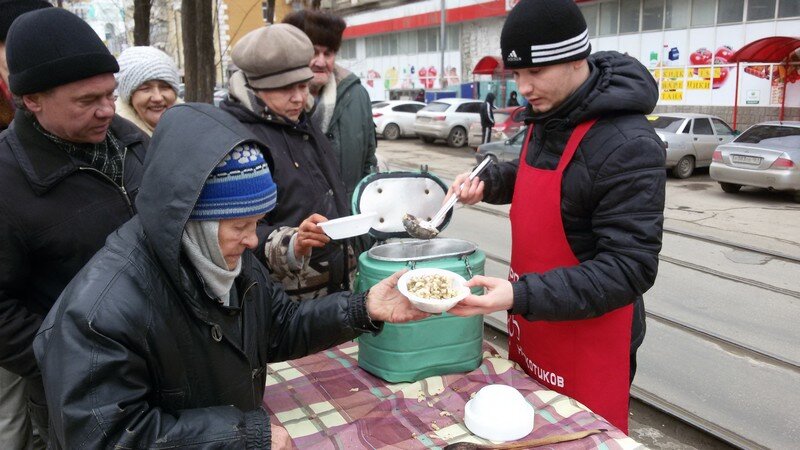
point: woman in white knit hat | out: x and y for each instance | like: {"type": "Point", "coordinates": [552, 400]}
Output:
{"type": "Point", "coordinates": [148, 85]}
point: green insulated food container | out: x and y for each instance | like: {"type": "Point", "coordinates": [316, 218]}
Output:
{"type": "Point", "coordinates": [438, 345]}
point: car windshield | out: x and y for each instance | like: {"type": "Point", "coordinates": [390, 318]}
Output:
{"type": "Point", "coordinates": [519, 137]}
{"type": "Point", "coordinates": [436, 107]}
{"type": "Point", "coordinates": [665, 123]}
{"type": "Point", "coordinates": [379, 105]}
{"type": "Point", "coordinates": [501, 117]}
{"type": "Point", "coordinates": [770, 134]}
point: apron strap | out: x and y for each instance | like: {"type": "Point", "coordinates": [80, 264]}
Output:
{"type": "Point", "coordinates": [572, 144]}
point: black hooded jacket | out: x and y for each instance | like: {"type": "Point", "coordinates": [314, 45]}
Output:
{"type": "Point", "coordinates": [612, 196]}
{"type": "Point", "coordinates": [135, 354]}
{"type": "Point", "coordinates": [55, 213]}
{"type": "Point", "coordinates": [305, 169]}
{"type": "Point", "coordinates": [487, 111]}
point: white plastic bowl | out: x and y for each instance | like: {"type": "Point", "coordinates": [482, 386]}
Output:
{"type": "Point", "coordinates": [433, 306]}
{"type": "Point", "coordinates": [499, 413]}
{"type": "Point", "coordinates": [345, 227]}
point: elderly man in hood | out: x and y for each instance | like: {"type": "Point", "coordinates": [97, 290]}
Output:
{"type": "Point", "coordinates": [163, 339]}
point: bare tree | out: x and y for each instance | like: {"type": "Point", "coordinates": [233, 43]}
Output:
{"type": "Point", "coordinates": [141, 22]}
{"type": "Point", "coordinates": [198, 49]}
{"type": "Point", "coordinates": [270, 14]}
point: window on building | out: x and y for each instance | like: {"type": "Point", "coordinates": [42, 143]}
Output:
{"type": "Point", "coordinates": [788, 8]}
{"type": "Point", "coordinates": [628, 16]}
{"type": "Point", "coordinates": [453, 37]}
{"type": "Point", "coordinates": [652, 15]}
{"type": "Point", "coordinates": [373, 44]}
{"type": "Point", "coordinates": [590, 14]}
{"type": "Point", "coordinates": [347, 50]}
{"type": "Point", "coordinates": [730, 11]}
{"type": "Point", "coordinates": [676, 14]}
{"type": "Point", "coordinates": [406, 43]}
{"type": "Point", "coordinates": [761, 9]}
{"type": "Point", "coordinates": [609, 15]}
{"type": "Point", "coordinates": [428, 40]}
{"type": "Point", "coordinates": [703, 13]}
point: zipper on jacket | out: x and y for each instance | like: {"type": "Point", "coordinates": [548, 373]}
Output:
{"type": "Point", "coordinates": [120, 187]}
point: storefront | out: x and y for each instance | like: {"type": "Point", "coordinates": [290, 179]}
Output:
{"type": "Point", "coordinates": [686, 44]}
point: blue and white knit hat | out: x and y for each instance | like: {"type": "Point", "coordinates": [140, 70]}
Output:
{"type": "Point", "coordinates": [138, 65]}
{"type": "Point", "coordinates": [240, 186]}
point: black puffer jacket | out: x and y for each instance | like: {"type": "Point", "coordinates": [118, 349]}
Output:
{"type": "Point", "coordinates": [305, 169]}
{"type": "Point", "coordinates": [612, 196]}
{"type": "Point", "coordinates": [55, 213]}
{"type": "Point", "coordinates": [135, 354]}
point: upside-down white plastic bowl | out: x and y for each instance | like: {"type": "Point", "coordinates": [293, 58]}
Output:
{"type": "Point", "coordinates": [499, 413]}
{"type": "Point", "coordinates": [349, 226]}
{"type": "Point", "coordinates": [433, 306]}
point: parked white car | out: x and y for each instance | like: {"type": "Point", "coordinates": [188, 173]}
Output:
{"type": "Point", "coordinates": [395, 118]}
{"type": "Point", "coordinates": [449, 119]}
{"type": "Point", "coordinates": [690, 139]}
{"type": "Point", "coordinates": [766, 155]}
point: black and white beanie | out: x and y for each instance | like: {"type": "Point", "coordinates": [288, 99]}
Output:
{"type": "Point", "coordinates": [544, 32]}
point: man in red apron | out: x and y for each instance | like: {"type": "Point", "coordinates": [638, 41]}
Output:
{"type": "Point", "coordinates": [587, 200]}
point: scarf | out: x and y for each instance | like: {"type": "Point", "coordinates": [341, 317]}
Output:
{"type": "Point", "coordinates": [200, 241]}
{"type": "Point", "coordinates": [107, 156]}
{"type": "Point", "coordinates": [325, 103]}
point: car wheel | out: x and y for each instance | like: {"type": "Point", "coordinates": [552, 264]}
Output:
{"type": "Point", "coordinates": [684, 168]}
{"type": "Point", "coordinates": [796, 196]}
{"type": "Point", "coordinates": [457, 137]}
{"type": "Point", "coordinates": [730, 188]}
{"type": "Point", "coordinates": [427, 140]}
{"type": "Point", "coordinates": [391, 132]}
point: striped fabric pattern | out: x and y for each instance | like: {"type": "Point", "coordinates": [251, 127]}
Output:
{"type": "Point", "coordinates": [560, 50]}
{"type": "Point", "coordinates": [240, 186]}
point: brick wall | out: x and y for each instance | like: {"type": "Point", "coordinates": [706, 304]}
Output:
{"type": "Point", "coordinates": [746, 116]}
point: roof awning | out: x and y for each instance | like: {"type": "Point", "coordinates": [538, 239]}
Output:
{"type": "Point", "coordinates": [774, 49]}
{"type": "Point", "coordinates": [488, 65]}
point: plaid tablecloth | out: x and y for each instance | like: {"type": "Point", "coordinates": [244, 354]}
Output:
{"type": "Point", "coordinates": [326, 401]}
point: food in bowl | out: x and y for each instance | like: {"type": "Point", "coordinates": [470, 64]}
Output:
{"type": "Point", "coordinates": [443, 289]}
{"type": "Point", "coordinates": [433, 286]}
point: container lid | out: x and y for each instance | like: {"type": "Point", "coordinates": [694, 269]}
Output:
{"type": "Point", "coordinates": [393, 194]}
{"type": "Point", "coordinates": [421, 249]}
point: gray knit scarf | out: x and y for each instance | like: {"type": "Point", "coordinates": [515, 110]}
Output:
{"type": "Point", "coordinates": [200, 241]}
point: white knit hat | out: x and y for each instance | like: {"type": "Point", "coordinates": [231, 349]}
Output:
{"type": "Point", "coordinates": [138, 65]}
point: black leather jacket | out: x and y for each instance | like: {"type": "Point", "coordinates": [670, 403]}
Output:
{"type": "Point", "coordinates": [55, 213]}
{"type": "Point", "coordinates": [612, 200]}
{"type": "Point", "coordinates": [135, 354]}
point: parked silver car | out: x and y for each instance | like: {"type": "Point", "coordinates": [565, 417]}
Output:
{"type": "Point", "coordinates": [505, 150]}
{"type": "Point", "coordinates": [690, 139]}
{"type": "Point", "coordinates": [447, 118]}
{"type": "Point", "coordinates": [767, 155]}
{"type": "Point", "coordinates": [395, 118]}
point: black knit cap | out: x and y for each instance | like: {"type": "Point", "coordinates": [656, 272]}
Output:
{"type": "Point", "coordinates": [544, 32]}
{"type": "Point", "coordinates": [50, 47]}
{"type": "Point", "coordinates": [11, 9]}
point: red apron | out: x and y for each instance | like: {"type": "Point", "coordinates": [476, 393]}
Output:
{"type": "Point", "coordinates": [588, 360]}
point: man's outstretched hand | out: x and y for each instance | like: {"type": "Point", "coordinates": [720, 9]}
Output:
{"type": "Point", "coordinates": [385, 303]}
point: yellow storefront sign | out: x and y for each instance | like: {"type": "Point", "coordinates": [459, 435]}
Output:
{"type": "Point", "coordinates": [672, 85]}
{"type": "Point", "coordinates": [668, 73]}
{"type": "Point", "coordinates": [705, 72]}
{"type": "Point", "coordinates": [698, 84]}
{"type": "Point", "coordinates": [675, 96]}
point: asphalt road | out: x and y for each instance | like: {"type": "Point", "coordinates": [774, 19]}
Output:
{"type": "Point", "coordinates": [727, 354]}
